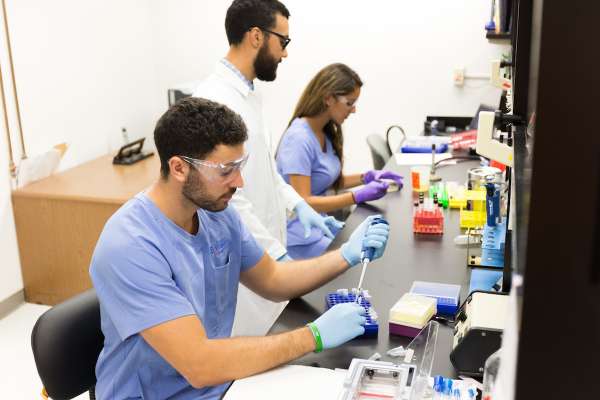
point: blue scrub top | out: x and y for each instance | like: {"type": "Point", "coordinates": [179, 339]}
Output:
{"type": "Point", "coordinates": [147, 271]}
{"type": "Point", "coordinates": [300, 153]}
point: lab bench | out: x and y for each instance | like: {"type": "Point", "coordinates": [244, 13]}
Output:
{"type": "Point", "coordinates": [408, 258]}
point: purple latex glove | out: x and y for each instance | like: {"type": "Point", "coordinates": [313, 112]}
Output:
{"type": "Point", "coordinates": [377, 175]}
{"type": "Point", "coordinates": [371, 191]}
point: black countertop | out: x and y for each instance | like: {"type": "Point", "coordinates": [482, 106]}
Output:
{"type": "Point", "coordinates": [407, 258]}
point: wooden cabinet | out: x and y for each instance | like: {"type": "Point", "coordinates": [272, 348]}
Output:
{"type": "Point", "coordinates": [59, 220]}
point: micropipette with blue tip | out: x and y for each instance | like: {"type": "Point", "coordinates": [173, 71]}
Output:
{"type": "Point", "coordinates": [366, 256]}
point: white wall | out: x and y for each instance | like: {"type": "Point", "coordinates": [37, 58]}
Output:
{"type": "Point", "coordinates": [10, 271]}
{"type": "Point", "coordinates": [403, 50]}
{"type": "Point", "coordinates": [84, 69]}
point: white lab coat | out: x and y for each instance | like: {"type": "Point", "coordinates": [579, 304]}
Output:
{"type": "Point", "coordinates": [264, 200]}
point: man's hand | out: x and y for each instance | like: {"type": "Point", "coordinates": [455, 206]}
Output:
{"type": "Point", "coordinates": [366, 235]}
{"type": "Point", "coordinates": [309, 218]}
{"type": "Point", "coordinates": [337, 325]}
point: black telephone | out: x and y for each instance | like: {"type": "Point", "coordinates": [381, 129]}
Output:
{"type": "Point", "coordinates": [131, 153]}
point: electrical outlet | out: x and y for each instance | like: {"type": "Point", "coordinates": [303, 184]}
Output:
{"type": "Point", "coordinates": [459, 76]}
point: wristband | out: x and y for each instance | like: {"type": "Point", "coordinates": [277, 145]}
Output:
{"type": "Point", "coordinates": [362, 178]}
{"type": "Point", "coordinates": [317, 335]}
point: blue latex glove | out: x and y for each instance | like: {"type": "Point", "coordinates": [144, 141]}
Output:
{"type": "Point", "coordinates": [309, 218]}
{"type": "Point", "coordinates": [378, 175]}
{"type": "Point", "coordinates": [341, 323]}
{"type": "Point", "coordinates": [285, 258]}
{"type": "Point", "coordinates": [375, 236]}
{"type": "Point", "coordinates": [371, 191]}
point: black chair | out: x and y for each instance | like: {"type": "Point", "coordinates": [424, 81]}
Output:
{"type": "Point", "coordinates": [66, 341]}
{"type": "Point", "coordinates": [380, 152]}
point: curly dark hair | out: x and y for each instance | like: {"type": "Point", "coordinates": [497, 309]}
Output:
{"type": "Point", "coordinates": [242, 15]}
{"type": "Point", "coordinates": [193, 127]}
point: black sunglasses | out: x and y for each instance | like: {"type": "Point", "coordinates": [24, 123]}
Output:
{"type": "Point", "coordinates": [284, 40]}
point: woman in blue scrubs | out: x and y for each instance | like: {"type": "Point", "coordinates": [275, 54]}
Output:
{"type": "Point", "coordinates": [310, 155]}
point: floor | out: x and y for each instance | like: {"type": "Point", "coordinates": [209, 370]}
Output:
{"type": "Point", "coordinates": [18, 376]}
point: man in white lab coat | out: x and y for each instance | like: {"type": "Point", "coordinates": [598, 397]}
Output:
{"type": "Point", "coordinates": [257, 31]}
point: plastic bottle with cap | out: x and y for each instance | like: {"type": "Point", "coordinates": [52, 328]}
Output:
{"type": "Point", "coordinates": [438, 387]}
{"type": "Point", "coordinates": [447, 389]}
{"type": "Point", "coordinates": [472, 394]}
{"type": "Point", "coordinates": [456, 394]}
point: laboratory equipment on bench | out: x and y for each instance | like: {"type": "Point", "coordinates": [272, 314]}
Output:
{"type": "Point", "coordinates": [478, 331]}
{"type": "Point", "coordinates": [499, 74]}
{"type": "Point", "coordinates": [432, 176]}
{"type": "Point", "coordinates": [456, 195]}
{"type": "Point", "coordinates": [131, 153]}
{"type": "Point", "coordinates": [446, 295]}
{"type": "Point", "coordinates": [453, 389]}
{"type": "Point", "coordinates": [423, 353]}
{"type": "Point", "coordinates": [368, 379]}
{"type": "Point", "coordinates": [473, 214]}
{"type": "Point", "coordinates": [427, 216]}
{"type": "Point", "coordinates": [483, 279]}
{"type": "Point", "coordinates": [477, 177]}
{"type": "Point", "coordinates": [364, 299]}
{"type": "Point", "coordinates": [490, 374]}
{"type": "Point", "coordinates": [463, 142]}
{"type": "Point", "coordinates": [439, 191]}
{"type": "Point", "coordinates": [410, 314]}
{"type": "Point", "coordinates": [419, 178]}
{"type": "Point", "coordinates": [494, 146]}
{"type": "Point", "coordinates": [366, 256]}
{"type": "Point", "coordinates": [494, 231]}
{"type": "Point", "coordinates": [405, 379]}
{"type": "Point", "coordinates": [423, 144]}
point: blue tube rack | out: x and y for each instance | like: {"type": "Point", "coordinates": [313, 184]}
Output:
{"type": "Point", "coordinates": [492, 245]}
{"type": "Point", "coordinates": [447, 295]}
{"type": "Point", "coordinates": [371, 327]}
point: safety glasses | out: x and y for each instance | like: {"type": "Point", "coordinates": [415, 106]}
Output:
{"type": "Point", "coordinates": [217, 171]}
{"type": "Point", "coordinates": [284, 40]}
{"type": "Point", "coordinates": [348, 103]}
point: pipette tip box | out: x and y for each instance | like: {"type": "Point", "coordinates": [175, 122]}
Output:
{"type": "Point", "coordinates": [346, 296]}
{"type": "Point", "coordinates": [410, 314]}
{"type": "Point", "coordinates": [447, 295]}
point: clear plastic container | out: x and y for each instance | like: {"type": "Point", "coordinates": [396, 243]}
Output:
{"type": "Point", "coordinates": [419, 178]}
{"type": "Point", "coordinates": [447, 295]}
{"type": "Point", "coordinates": [490, 374]}
{"type": "Point", "coordinates": [413, 310]}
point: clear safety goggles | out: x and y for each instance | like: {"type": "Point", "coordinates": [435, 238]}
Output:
{"type": "Point", "coordinates": [217, 171]}
{"type": "Point", "coordinates": [346, 102]}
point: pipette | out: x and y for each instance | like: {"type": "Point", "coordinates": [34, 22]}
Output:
{"type": "Point", "coordinates": [432, 176]}
{"type": "Point", "coordinates": [366, 256]}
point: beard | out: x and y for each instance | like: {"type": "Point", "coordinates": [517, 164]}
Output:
{"type": "Point", "coordinates": [265, 65]}
{"type": "Point", "coordinates": [196, 191]}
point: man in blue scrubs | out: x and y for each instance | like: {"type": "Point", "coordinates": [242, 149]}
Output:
{"type": "Point", "coordinates": [167, 266]}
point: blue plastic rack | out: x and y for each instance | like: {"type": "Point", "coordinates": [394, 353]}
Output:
{"type": "Point", "coordinates": [371, 327]}
{"type": "Point", "coordinates": [492, 245]}
{"type": "Point", "coordinates": [447, 295]}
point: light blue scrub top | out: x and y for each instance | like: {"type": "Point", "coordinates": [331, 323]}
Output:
{"type": "Point", "coordinates": [146, 271]}
{"type": "Point", "coordinates": [300, 153]}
